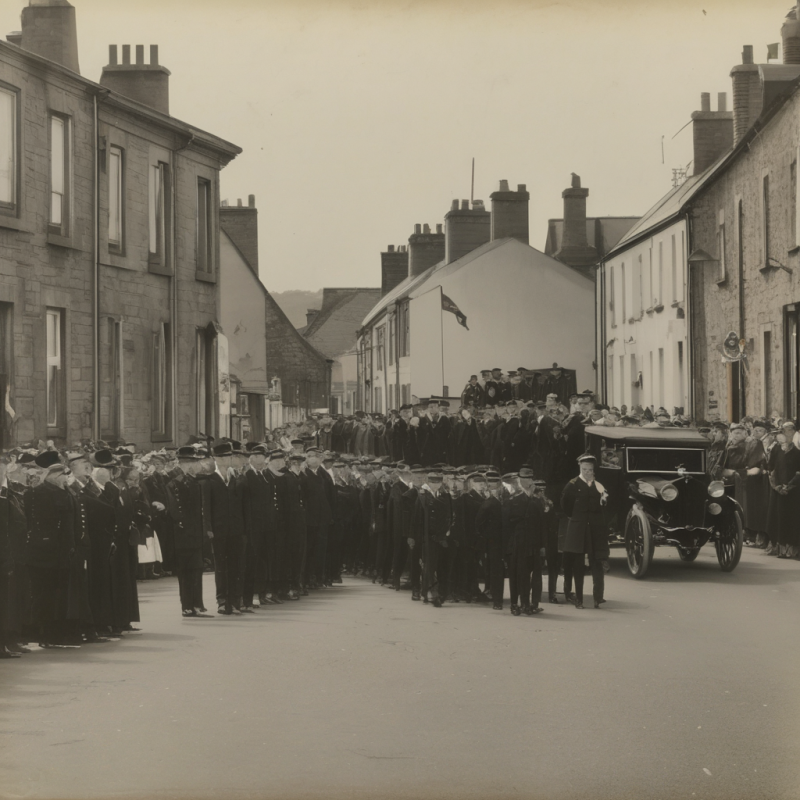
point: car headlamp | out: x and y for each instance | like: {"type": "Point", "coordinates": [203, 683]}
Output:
{"type": "Point", "coordinates": [714, 508]}
{"type": "Point", "coordinates": [716, 488]}
{"type": "Point", "coordinates": [668, 492]}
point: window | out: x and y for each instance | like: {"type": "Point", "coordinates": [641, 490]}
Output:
{"type": "Point", "coordinates": [638, 304]}
{"type": "Point", "coordinates": [162, 382]}
{"type": "Point", "coordinates": [59, 174]}
{"type": "Point", "coordinates": [624, 295]}
{"type": "Point", "coordinates": [611, 297]}
{"type": "Point", "coordinates": [792, 381]}
{"type": "Point", "coordinates": [792, 205]}
{"type": "Point", "coordinates": [650, 282]}
{"type": "Point", "coordinates": [403, 330]}
{"type": "Point", "coordinates": [158, 210]}
{"type": "Point", "coordinates": [204, 227]}
{"type": "Point", "coordinates": [391, 324]}
{"type": "Point", "coordinates": [111, 393]}
{"type": "Point", "coordinates": [56, 388]}
{"type": "Point", "coordinates": [405, 393]}
{"type": "Point", "coordinates": [661, 376]}
{"type": "Point", "coordinates": [116, 203]}
{"type": "Point", "coordinates": [674, 271]}
{"type": "Point", "coordinates": [622, 392]}
{"type": "Point", "coordinates": [379, 339]}
{"type": "Point", "coordinates": [659, 295]}
{"type": "Point", "coordinates": [765, 254]}
{"type": "Point", "coordinates": [681, 383]}
{"type": "Point", "coordinates": [378, 407]}
{"type": "Point", "coordinates": [610, 379]}
{"type": "Point", "coordinates": [8, 149]}
{"type": "Point", "coordinates": [767, 361]}
{"type": "Point", "coordinates": [721, 246]}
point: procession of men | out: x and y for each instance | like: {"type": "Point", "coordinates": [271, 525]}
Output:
{"type": "Point", "coordinates": [447, 506]}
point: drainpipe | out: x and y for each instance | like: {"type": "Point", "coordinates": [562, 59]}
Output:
{"type": "Point", "coordinates": [690, 387]}
{"type": "Point", "coordinates": [173, 288]}
{"type": "Point", "coordinates": [102, 94]}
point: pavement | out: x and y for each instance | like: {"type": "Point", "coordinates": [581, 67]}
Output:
{"type": "Point", "coordinates": [684, 685]}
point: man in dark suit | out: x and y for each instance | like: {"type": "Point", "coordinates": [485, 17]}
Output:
{"type": "Point", "coordinates": [224, 511]}
{"type": "Point", "coordinates": [254, 505]}
{"type": "Point", "coordinates": [587, 534]}
{"type": "Point", "coordinates": [319, 490]}
{"type": "Point", "coordinates": [50, 547]}
{"type": "Point", "coordinates": [186, 509]}
{"type": "Point", "coordinates": [433, 516]}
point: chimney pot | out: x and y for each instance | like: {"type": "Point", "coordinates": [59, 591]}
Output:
{"type": "Point", "coordinates": [747, 54]}
{"type": "Point", "coordinates": [722, 101]}
{"type": "Point", "coordinates": [576, 181]}
{"type": "Point", "coordinates": [139, 55]}
{"type": "Point", "coordinates": [126, 54]}
{"type": "Point", "coordinates": [418, 228]}
{"type": "Point", "coordinates": [224, 203]}
{"type": "Point", "coordinates": [390, 248]}
{"type": "Point", "coordinates": [112, 55]}
{"type": "Point", "coordinates": [503, 186]}
{"type": "Point", "coordinates": [522, 187]}
{"type": "Point", "coordinates": [153, 55]}
{"type": "Point", "coordinates": [439, 228]}
{"type": "Point", "coordinates": [251, 201]}
{"type": "Point", "coordinates": [465, 205]}
{"type": "Point", "coordinates": [477, 205]}
{"type": "Point", "coordinates": [454, 205]}
{"type": "Point", "coordinates": [426, 228]}
{"type": "Point", "coordinates": [705, 101]}
{"type": "Point", "coordinates": [239, 202]}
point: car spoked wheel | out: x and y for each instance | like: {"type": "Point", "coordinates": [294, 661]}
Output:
{"type": "Point", "coordinates": [638, 542]}
{"type": "Point", "coordinates": [730, 541]}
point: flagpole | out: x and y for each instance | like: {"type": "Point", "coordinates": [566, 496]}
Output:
{"type": "Point", "coordinates": [441, 328]}
{"type": "Point", "coordinates": [472, 185]}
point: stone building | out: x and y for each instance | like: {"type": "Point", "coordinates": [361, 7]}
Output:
{"type": "Point", "coordinates": [276, 375]}
{"type": "Point", "coordinates": [332, 330]}
{"type": "Point", "coordinates": [745, 249]}
{"type": "Point", "coordinates": [471, 295]}
{"type": "Point", "coordinates": [109, 247]}
{"type": "Point", "coordinates": [643, 342]}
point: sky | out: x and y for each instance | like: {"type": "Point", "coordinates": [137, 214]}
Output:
{"type": "Point", "coordinates": [360, 118]}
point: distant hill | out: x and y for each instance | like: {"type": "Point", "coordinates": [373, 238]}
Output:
{"type": "Point", "coordinates": [294, 303]}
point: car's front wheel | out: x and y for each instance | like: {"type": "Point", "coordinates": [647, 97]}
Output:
{"type": "Point", "coordinates": [730, 541]}
{"type": "Point", "coordinates": [638, 542]}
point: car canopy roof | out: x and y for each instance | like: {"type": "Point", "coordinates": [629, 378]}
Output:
{"type": "Point", "coordinates": [650, 437]}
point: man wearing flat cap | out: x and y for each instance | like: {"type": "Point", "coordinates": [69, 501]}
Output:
{"type": "Point", "coordinates": [434, 518]}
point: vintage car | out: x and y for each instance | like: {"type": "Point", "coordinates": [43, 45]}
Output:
{"type": "Point", "coordinates": [660, 494]}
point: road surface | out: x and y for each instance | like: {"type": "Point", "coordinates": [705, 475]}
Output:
{"type": "Point", "coordinates": [685, 685]}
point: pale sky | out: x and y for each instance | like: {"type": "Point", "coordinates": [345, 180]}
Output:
{"type": "Point", "coordinates": [359, 119]}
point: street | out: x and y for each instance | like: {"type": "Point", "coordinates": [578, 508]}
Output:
{"type": "Point", "coordinates": [684, 685]}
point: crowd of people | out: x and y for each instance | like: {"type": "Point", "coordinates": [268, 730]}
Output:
{"type": "Point", "coordinates": [443, 503]}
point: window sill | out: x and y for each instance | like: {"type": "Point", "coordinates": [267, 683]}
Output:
{"type": "Point", "coordinates": [61, 241]}
{"type": "Point", "coordinates": [722, 281]}
{"type": "Point", "coordinates": [659, 308]}
{"type": "Point", "coordinates": [676, 304]}
{"type": "Point", "coordinates": [158, 269]}
{"type": "Point", "coordinates": [793, 250]}
{"type": "Point", "coordinates": [160, 437]}
{"type": "Point", "coordinates": [205, 277]}
{"type": "Point", "coordinates": [650, 310]}
{"type": "Point", "coordinates": [13, 223]}
{"type": "Point", "coordinates": [117, 263]}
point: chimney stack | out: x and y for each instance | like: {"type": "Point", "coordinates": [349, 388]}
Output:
{"type": "Point", "coordinates": [424, 249]}
{"type": "Point", "coordinates": [510, 213]}
{"type": "Point", "coordinates": [747, 95]}
{"type": "Point", "coordinates": [394, 268]}
{"type": "Point", "coordinates": [49, 30]}
{"type": "Point", "coordinates": [146, 83]}
{"type": "Point", "coordinates": [241, 224]}
{"type": "Point", "coordinates": [575, 249]}
{"type": "Point", "coordinates": [712, 131]}
{"type": "Point", "coordinates": [790, 34]}
{"type": "Point", "coordinates": [465, 229]}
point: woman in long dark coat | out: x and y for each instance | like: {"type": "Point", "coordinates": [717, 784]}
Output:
{"type": "Point", "coordinates": [785, 498]}
{"type": "Point", "coordinates": [587, 534]}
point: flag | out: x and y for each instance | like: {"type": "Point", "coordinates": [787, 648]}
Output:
{"type": "Point", "coordinates": [772, 51]}
{"type": "Point", "coordinates": [449, 305]}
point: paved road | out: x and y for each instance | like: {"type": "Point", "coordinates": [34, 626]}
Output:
{"type": "Point", "coordinates": [684, 686]}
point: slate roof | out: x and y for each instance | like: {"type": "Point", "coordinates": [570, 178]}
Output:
{"type": "Point", "coordinates": [333, 330]}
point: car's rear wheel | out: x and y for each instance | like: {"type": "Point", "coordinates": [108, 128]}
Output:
{"type": "Point", "coordinates": [688, 555]}
{"type": "Point", "coordinates": [638, 542]}
{"type": "Point", "coordinates": [729, 543]}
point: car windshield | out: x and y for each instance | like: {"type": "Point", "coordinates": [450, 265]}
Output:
{"type": "Point", "coordinates": [666, 459]}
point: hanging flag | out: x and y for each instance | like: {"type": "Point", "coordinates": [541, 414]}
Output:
{"type": "Point", "coordinates": [449, 305]}
{"type": "Point", "coordinates": [772, 51]}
